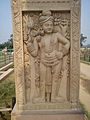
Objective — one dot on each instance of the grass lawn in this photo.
(86, 112)
(7, 91)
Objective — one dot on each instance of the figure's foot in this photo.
(57, 99)
(39, 100)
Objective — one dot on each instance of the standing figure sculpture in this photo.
(47, 48)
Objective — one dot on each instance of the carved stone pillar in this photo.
(46, 59)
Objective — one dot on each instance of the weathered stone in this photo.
(46, 46)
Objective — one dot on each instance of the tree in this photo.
(82, 39)
(8, 44)
(10, 41)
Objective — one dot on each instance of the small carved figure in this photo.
(45, 46)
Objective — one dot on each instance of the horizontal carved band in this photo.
(55, 1)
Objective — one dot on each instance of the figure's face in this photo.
(48, 27)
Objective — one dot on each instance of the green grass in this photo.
(7, 91)
(86, 58)
(1, 53)
(86, 112)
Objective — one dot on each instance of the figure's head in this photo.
(46, 21)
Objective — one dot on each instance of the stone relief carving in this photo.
(18, 54)
(75, 72)
(46, 51)
(47, 1)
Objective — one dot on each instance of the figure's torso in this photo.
(49, 45)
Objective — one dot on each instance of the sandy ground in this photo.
(85, 69)
(85, 98)
(85, 86)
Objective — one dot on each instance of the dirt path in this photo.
(85, 69)
(85, 98)
(85, 86)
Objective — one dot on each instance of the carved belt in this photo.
(50, 63)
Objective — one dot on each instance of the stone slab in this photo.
(50, 117)
(63, 114)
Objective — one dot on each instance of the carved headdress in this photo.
(45, 16)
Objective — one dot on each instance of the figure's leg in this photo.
(48, 84)
(41, 98)
(42, 81)
(55, 81)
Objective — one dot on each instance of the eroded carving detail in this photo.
(18, 54)
(45, 55)
(47, 49)
(75, 76)
(47, 1)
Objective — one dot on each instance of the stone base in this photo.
(48, 115)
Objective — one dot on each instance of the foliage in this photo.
(82, 39)
(8, 44)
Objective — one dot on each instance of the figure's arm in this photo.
(65, 42)
(33, 47)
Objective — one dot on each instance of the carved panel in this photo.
(59, 68)
(34, 5)
(31, 30)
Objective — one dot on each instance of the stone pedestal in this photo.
(65, 114)
(50, 117)
(47, 59)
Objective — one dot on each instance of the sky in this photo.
(85, 19)
(6, 20)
